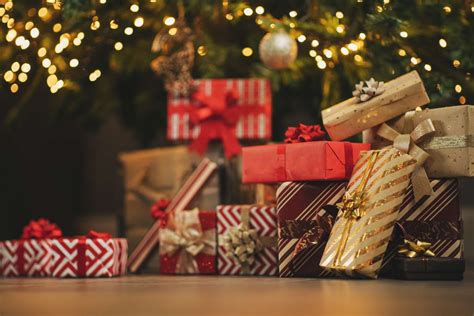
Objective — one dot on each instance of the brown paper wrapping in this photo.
(360, 235)
(349, 118)
(451, 148)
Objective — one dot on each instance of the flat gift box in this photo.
(451, 147)
(25, 257)
(203, 261)
(368, 212)
(263, 221)
(307, 161)
(428, 268)
(349, 117)
(88, 257)
(304, 225)
(253, 108)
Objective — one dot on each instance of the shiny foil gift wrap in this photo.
(304, 224)
(368, 213)
(450, 147)
(351, 117)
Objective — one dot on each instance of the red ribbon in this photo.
(158, 209)
(93, 235)
(41, 228)
(304, 133)
(217, 116)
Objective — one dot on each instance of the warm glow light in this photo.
(314, 43)
(8, 5)
(344, 51)
(293, 14)
(29, 25)
(42, 12)
(128, 31)
(327, 53)
(113, 25)
(458, 88)
(77, 41)
(95, 25)
(362, 36)
(139, 22)
(301, 38)
(248, 11)
(318, 58)
(46, 62)
(312, 53)
(443, 43)
(26, 67)
(462, 99)
(172, 31)
(340, 28)
(402, 52)
(358, 58)
(247, 52)
(41, 52)
(134, 8)
(259, 10)
(353, 47)
(339, 15)
(52, 69)
(22, 77)
(229, 16)
(14, 88)
(169, 20)
(427, 67)
(34, 32)
(447, 9)
(19, 40)
(403, 34)
(57, 27)
(456, 63)
(414, 60)
(9, 76)
(80, 35)
(11, 34)
(73, 63)
(16, 66)
(202, 50)
(25, 44)
(51, 80)
(118, 46)
(321, 64)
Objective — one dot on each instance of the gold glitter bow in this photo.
(184, 234)
(406, 143)
(352, 205)
(413, 249)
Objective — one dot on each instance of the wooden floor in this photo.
(199, 295)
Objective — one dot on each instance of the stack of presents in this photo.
(313, 206)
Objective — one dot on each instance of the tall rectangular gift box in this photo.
(450, 147)
(391, 99)
(247, 240)
(188, 242)
(368, 213)
(304, 224)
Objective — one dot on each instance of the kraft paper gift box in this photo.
(368, 213)
(351, 117)
(304, 224)
(247, 240)
(450, 148)
(306, 161)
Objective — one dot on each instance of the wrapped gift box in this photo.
(315, 160)
(88, 257)
(235, 223)
(304, 226)
(188, 243)
(253, 108)
(430, 268)
(451, 147)
(368, 212)
(351, 117)
(25, 257)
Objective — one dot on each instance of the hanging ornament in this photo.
(176, 48)
(278, 50)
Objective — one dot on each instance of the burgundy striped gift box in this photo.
(254, 102)
(300, 209)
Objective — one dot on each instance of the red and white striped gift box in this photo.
(261, 218)
(254, 99)
(29, 257)
(88, 257)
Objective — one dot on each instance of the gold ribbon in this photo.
(243, 243)
(413, 249)
(406, 143)
(352, 205)
(184, 234)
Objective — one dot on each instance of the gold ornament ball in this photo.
(278, 50)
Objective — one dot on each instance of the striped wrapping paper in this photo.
(264, 220)
(30, 257)
(254, 96)
(357, 244)
(188, 192)
(299, 204)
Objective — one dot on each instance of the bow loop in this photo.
(413, 249)
(353, 205)
(304, 133)
(41, 228)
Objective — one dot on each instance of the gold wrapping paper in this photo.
(368, 213)
(450, 148)
(349, 117)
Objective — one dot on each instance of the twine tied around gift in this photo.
(183, 234)
(243, 243)
(406, 142)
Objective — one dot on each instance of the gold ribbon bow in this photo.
(243, 243)
(184, 234)
(413, 249)
(406, 143)
(353, 205)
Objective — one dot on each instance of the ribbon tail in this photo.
(229, 140)
(201, 142)
(421, 183)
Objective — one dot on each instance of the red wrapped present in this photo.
(314, 160)
(225, 109)
(188, 243)
(93, 255)
(247, 239)
(31, 255)
(304, 224)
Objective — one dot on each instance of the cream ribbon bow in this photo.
(406, 143)
(184, 234)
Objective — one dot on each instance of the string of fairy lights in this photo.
(22, 35)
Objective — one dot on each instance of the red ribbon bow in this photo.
(93, 235)
(41, 228)
(304, 133)
(217, 116)
(158, 210)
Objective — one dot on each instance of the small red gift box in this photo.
(314, 160)
(188, 242)
(94, 255)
